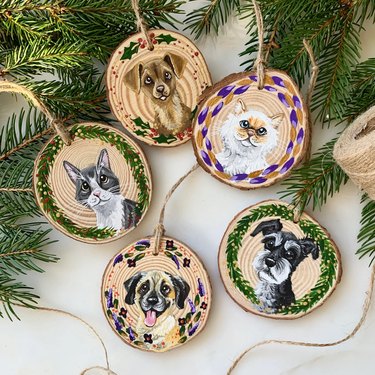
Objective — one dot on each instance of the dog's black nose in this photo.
(270, 262)
(152, 300)
(160, 89)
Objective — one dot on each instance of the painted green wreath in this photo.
(45, 193)
(328, 266)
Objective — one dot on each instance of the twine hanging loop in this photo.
(57, 125)
(260, 64)
(159, 229)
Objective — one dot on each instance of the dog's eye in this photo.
(168, 75)
(289, 254)
(103, 178)
(148, 80)
(262, 131)
(165, 289)
(269, 245)
(85, 186)
(244, 124)
(144, 288)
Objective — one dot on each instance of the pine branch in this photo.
(13, 293)
(315, 181)
(37, 57)
(21, 246)
(366, 236)
(100, 25)
(211, 16)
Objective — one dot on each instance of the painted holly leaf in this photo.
(165, 139)
(140, 123)
(130, 51)
(167, 38)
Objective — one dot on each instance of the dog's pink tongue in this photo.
(150, 319)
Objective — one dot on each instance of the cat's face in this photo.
(95, 185)
(254, 128)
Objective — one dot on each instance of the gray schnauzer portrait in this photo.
(276, 262)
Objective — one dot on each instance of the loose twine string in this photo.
(159, 229)
(355, 152)
(107, 368)
(298, 209)
(365, 309)
(141, 24)
(57, 125)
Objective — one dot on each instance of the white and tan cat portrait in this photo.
(248, 137)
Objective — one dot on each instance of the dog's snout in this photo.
(160, 88)
(270, 262)
(152, 300)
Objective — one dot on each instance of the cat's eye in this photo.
(103, 178)
(165, 289)
(244, 124)
(262, 131)
(148, 80)
(85, 186)
(168, 75)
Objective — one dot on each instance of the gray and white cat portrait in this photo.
(98, 188)
(248, 136)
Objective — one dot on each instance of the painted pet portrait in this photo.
(281, 255)
(248, 137)
(158, 81)
(156, 294)
(98, 188)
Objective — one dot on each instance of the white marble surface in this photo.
(198, 214)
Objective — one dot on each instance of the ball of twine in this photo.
(355, 152)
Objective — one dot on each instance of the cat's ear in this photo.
(103, 160)
(73, 172)
(240, 107)
(277, 119)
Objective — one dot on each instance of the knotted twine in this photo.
(141, 24)
(159, 229)
(355, 152)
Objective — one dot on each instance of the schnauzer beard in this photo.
(273, 275)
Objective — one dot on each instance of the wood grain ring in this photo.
(133, 109)
(55, 192)
(126, 319)
(280, 95)
(313, 281)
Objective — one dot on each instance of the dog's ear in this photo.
(276, 120)
(240, 107)
(130, 286)
(267, 227)
(310, 246)
(103, 160)
(182, 290)
(176, 62)
(132, 78)
(73, 172)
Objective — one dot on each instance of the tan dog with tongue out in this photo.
(156, 294)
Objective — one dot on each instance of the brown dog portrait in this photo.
(157, 80)
(156, 294)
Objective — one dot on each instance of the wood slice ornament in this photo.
(251, 137)
(96, 189)
(274, 267)
(154, 93)
(156, 303)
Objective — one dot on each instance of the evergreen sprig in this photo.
(366, 236)
(211, 16)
